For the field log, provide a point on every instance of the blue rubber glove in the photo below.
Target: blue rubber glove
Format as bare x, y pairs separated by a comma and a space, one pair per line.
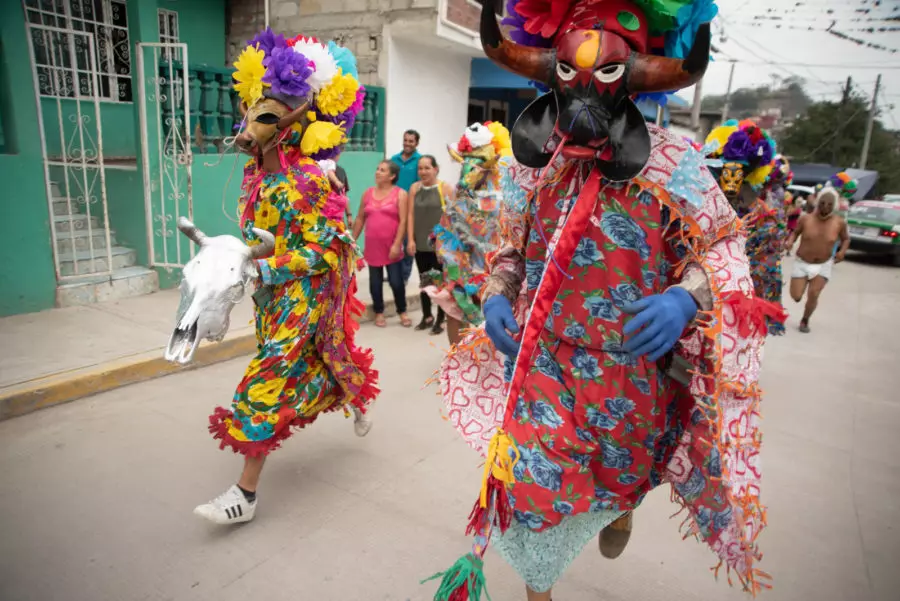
498, 318
658, 322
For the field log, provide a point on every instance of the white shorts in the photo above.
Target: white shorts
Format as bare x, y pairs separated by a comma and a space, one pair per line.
802, 269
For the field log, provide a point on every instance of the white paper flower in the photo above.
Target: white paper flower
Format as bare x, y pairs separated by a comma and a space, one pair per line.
478, 135
325, 66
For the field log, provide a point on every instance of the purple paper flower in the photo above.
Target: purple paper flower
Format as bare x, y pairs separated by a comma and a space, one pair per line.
287, 72
328, 153
517, 31
266, 40
762, 152
739, 147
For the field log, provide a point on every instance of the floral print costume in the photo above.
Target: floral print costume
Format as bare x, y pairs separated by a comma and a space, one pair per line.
467, 232
583, 430
767, 230
307, 360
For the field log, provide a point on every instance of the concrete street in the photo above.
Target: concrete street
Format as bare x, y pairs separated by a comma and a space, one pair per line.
97, 494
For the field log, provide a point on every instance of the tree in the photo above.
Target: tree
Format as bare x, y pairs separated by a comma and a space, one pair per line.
830, 132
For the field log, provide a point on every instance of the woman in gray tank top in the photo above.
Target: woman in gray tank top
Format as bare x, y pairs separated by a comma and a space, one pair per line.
426, 206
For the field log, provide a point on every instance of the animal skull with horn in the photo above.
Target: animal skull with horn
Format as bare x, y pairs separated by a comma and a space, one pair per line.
598, 61
213, 282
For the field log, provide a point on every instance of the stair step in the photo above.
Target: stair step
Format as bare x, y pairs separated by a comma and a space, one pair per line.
76, 221
121, 257
123, 283
63, 206
78, 240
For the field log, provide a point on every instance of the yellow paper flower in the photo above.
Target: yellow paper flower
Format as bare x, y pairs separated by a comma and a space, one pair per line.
249, 73
720, 135
758, 177
339, 95
321, 135
502, 142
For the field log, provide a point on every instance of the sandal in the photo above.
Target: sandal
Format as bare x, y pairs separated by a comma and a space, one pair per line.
405, 321
437, 329
427, 322
380, 321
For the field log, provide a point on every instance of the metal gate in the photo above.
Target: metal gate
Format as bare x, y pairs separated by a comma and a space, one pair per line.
67, 93
166, 156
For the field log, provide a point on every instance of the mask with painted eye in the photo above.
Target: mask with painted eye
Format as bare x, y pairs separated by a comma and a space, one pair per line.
732, 178
264, 121
476, 166
599, 60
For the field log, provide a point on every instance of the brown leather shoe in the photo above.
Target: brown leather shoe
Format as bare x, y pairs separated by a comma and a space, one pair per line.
614, 538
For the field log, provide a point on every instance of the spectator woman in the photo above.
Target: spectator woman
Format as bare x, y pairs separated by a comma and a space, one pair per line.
428, 197
383, 209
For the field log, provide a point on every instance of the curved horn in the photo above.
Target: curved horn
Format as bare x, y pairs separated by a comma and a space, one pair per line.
190, 230
454, 154
265, 246
532, 63
648, 73
294, 116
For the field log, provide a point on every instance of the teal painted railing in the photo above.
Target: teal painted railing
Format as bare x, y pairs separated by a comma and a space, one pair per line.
215, 112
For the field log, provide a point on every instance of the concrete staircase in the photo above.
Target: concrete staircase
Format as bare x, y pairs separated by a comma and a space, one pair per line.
91, 283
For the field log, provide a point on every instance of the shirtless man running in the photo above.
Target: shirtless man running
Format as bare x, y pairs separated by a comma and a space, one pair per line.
819, 233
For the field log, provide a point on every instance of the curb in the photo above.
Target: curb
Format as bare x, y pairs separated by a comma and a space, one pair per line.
56, 389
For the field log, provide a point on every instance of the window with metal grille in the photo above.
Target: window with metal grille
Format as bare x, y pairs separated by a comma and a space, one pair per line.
62, 56
168, 33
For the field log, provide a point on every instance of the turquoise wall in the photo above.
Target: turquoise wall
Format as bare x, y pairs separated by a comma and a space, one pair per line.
27, 278
201, 25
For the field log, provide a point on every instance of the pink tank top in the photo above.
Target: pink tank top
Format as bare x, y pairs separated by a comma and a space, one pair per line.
382, 222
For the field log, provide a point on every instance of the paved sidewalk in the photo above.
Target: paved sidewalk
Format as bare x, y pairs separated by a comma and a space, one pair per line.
60, 355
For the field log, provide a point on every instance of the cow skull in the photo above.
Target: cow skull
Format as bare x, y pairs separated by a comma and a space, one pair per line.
213, 282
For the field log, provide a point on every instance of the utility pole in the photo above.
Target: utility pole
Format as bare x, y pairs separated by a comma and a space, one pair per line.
845, 98
727, 104
695, 110
872, 110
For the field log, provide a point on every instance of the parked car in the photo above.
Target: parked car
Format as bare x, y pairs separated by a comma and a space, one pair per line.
891, 198
875, 228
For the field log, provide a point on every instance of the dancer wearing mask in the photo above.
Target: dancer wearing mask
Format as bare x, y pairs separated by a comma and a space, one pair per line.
622, 300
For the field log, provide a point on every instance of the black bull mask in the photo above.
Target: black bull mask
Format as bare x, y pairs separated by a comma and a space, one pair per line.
593, 75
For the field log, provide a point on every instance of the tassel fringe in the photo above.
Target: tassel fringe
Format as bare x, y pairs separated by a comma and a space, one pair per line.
464, 581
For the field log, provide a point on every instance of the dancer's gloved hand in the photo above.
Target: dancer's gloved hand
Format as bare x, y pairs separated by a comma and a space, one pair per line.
658, 322
498, 318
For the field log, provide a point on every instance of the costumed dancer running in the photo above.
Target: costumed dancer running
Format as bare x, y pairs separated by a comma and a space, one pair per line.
623, 268
753, 177
469, 228
299, 99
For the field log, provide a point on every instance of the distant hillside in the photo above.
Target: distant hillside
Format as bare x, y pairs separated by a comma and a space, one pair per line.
786, 95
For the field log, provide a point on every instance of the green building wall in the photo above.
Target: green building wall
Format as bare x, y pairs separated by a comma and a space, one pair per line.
27, 274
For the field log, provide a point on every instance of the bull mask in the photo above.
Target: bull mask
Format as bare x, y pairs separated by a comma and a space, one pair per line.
476, 165
592, 74
266, 121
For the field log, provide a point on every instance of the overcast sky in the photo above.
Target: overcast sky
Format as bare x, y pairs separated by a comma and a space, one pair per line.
753, 46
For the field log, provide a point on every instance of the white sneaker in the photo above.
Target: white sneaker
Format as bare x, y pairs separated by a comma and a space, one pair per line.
361, 422
231, 507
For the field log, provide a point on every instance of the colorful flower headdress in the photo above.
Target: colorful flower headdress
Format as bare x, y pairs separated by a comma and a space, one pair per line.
746, 143
479, 135
845, 184
303, 69
673, 23
781, 171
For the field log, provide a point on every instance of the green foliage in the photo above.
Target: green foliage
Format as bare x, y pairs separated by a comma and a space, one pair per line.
815, 138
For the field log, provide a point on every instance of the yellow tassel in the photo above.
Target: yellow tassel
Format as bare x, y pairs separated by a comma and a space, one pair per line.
499, 463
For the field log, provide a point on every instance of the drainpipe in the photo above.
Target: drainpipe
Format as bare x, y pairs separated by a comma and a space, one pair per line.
266, 4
